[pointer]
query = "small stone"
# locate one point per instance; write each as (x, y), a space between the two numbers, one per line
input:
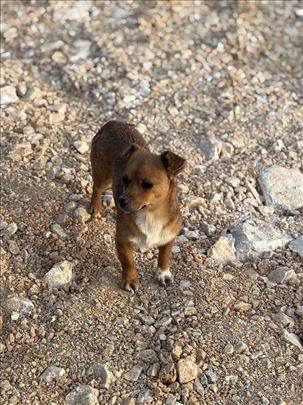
(9, 230)
(184, 284)
(241, 306)
(153, 370)
(196, 202)
(13, 247)
(170, 400)
(83, 395)
(282, 187)
(23, 306)
(228, 349)
(211, 376)
(168, 373)
(232, 181)
(283, 275)
(299, 310)
(148, 356)
(292, 338)
(187, 370)
(8, 95)
(208, 229)
(296, 245)
(57, 229)
(81, 146)
(33, 93)
(133, 374)
(163, 322)
(145, 397)
(23, 149)
(81, 214)
(60, 274)
(223, 251)
(52, 373)
(101, 373)
(277, 146)
(210, 148)
(240, 347)
(282, 319)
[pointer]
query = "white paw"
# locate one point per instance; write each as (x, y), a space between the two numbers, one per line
(164, 277)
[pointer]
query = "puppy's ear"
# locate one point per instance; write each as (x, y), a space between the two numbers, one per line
(126, 154)
(174, 164)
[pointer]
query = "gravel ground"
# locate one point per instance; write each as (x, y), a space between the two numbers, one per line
(220, 83)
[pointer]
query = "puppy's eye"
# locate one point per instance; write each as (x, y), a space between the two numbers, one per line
(146, 185)
(125, 180)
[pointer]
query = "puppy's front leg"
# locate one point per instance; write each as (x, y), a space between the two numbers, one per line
(164, 275)
(130, 278)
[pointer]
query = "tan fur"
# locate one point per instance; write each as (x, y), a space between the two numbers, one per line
(145, 194)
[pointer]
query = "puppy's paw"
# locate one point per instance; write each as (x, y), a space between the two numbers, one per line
(165, 277)
(131, 285)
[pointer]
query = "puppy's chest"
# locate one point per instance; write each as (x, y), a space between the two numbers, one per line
(153, 232)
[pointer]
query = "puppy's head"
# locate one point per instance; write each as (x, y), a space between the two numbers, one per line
(147, 177)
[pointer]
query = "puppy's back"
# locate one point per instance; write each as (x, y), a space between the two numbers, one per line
(115, 136)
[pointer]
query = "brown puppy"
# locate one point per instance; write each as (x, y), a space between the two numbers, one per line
(145, 194)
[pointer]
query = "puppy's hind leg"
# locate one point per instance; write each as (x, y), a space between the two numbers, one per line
(101, 181)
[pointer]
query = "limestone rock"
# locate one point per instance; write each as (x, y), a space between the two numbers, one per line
(60, 274)
(252, 238)
(187, 370)
(223, 250)
(82, 147)
(210, 148)
(52, 373)
(83, 395)
(8, 95)
(102, 374)
(283, 275)
(292, 338)
(133, 374)
(296, 245)
(282, 187)
(22, 306)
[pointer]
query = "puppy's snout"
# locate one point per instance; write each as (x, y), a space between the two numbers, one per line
(123, 201)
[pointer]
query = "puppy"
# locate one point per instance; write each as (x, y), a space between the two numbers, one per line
(145, 195)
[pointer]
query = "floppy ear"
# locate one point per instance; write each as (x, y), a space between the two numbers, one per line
(174, 164)
(126, 154)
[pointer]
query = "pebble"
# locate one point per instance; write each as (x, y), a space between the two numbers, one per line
(8, 95)
(83, 395)
(57, 229)
(81, 146)
(283, 275)
(210, 148)
(208, 229)
(22, 306)
(102, 374)
(241, 306)
(223, 251)
(228, 349)
(9, 230)
(52, 373)
(133, 374)
(292, 338)
(145, 397)
(282, 187)
(59, 275)
(168, 373)
(282, 319)
(81, 214)
(296, 245)
(148, 356)
(187, 370)
(163, 322)
(13, 247)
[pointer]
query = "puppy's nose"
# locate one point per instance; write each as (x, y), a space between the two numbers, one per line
(123, 201)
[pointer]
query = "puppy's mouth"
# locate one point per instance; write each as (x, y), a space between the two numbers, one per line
(131, 211)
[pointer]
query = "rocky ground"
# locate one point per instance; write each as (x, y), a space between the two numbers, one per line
(219, 83)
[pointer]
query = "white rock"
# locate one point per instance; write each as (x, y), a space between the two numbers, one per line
(60, 274)
(9, 230)
(252, 238)
(210, 148)
(145, 397)
(292, 338)
(82, 214)
(208, 229)
(81, 146)
(187, 370)
(57, 229)
(283, 275)
(52, 373)
(133, 374)
(8, 95)
(102, 374)
(23, 306)
(296, 245)
(282, 187)
(223, 250)
(83, 395)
